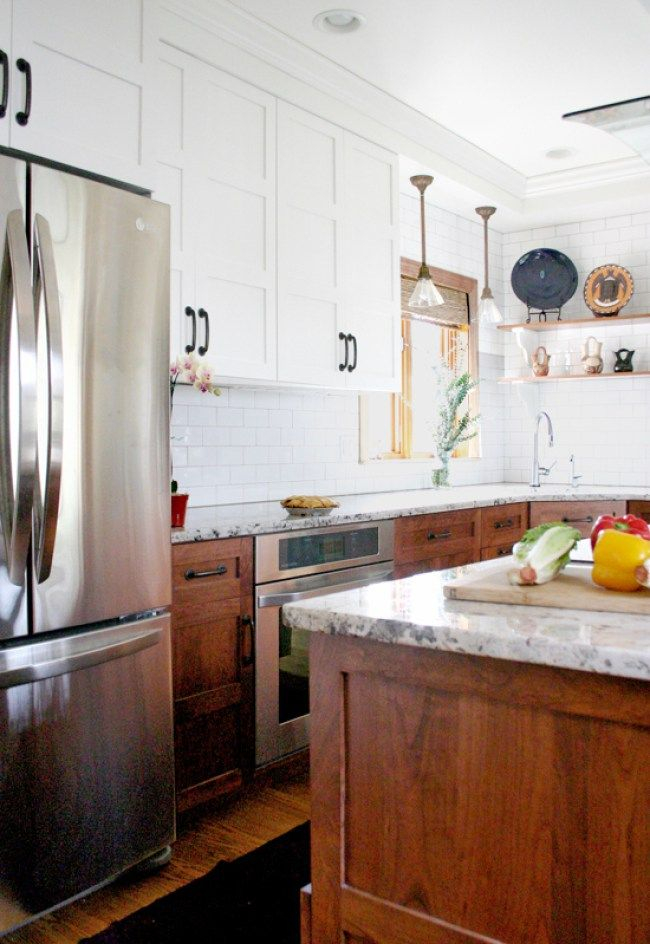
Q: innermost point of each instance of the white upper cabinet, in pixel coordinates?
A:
(214, 144)
(5, 70)
(77, 84)
(371, 264)
(231, 135)
(338, 257)
(310, 283)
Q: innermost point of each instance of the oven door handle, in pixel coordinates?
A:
(279, 599)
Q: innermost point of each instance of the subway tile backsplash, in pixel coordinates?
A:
(257, 445)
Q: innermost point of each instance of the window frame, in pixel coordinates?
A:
(402, 452)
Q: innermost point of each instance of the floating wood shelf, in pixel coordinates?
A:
(551, 378)
(593, 323)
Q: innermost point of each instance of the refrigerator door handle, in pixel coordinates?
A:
(46, 504)
(17, 496)
(74, 661)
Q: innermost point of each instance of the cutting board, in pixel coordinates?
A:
(571, 590)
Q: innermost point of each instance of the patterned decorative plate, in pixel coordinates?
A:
(608, 289)
(544, 279)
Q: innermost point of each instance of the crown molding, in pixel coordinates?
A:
(590, 175)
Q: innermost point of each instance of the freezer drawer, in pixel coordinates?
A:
(86, 762)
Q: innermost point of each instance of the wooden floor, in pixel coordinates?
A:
(261, 812)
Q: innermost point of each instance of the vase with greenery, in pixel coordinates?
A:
(190, 370)
(455, 426)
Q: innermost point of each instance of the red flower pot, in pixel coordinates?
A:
(179, 507)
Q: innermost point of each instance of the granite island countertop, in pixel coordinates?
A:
(415, 612)
(225, 521)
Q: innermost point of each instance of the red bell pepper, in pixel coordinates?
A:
(629, 524)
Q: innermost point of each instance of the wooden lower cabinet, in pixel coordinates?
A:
(581, 514)
(435, 542)
(213, 651)
(639, 508)
(496, 802)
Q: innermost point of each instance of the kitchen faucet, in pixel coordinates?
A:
(574, 476)
(537, 468)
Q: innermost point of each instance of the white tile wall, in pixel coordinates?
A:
(256, 445)
(605, 423)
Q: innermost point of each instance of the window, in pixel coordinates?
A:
(434, 348)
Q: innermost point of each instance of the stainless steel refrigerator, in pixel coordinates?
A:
(86, 750)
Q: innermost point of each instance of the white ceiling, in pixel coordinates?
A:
(498, 74)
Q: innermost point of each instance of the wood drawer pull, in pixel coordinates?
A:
(441, 535)
(217, 572)
(588, 520)
(508, 523)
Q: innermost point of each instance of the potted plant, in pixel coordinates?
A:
(188, 369)
(453, 428)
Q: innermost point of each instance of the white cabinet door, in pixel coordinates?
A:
(85, 61)
(371, 265)
(167, 127)
(5, 70)
(310, 212)
(231, 192)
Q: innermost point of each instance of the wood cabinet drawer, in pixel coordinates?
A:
(492, 553)
(503, 524)
(410, 568)
(639, 508)
(440, 536)
(205, 573)
(581, 514)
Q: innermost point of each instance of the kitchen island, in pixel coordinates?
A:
(479, 772)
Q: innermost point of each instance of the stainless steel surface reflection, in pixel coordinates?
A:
(94, 728)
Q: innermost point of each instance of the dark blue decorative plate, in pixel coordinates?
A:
(544, 279)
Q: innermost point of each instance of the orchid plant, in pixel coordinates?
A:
(190, 369)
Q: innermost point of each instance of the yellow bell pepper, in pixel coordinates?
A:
(617, 555)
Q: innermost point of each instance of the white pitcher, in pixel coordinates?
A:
(591, 356)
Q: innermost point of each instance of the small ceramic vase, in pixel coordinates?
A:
(541, 362)
(623, 363)
(592, 361)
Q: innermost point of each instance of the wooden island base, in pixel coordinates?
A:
(460, 799)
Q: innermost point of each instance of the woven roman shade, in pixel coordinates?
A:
(455, 310)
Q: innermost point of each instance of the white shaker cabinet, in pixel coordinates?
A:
(5, 70)
(214, 141)
(310, 224)
(371, 265)
(77, 84)
(338, 257)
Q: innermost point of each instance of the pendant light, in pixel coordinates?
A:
(488, 313)
(425, 294)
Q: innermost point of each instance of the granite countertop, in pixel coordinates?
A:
(415, 612)
(225, 521)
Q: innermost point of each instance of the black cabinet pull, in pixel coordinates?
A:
(197, 574)
(439, 536)
(508, 523)
(353, 339)
(204, 347)
(191, 314)
(22, 117)
(504, 551)
(4, 62)
(588, 520)
(346, 338)
(247, 628)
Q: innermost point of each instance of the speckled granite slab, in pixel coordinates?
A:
(226, 521)
(414, 612)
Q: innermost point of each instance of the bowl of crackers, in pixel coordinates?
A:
(308, 506)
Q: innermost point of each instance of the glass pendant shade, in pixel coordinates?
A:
(488, 313)
(425, 294)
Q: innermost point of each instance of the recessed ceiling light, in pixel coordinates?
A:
(560, 153)
(339, 21)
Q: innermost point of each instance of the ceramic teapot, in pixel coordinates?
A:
(541, 360)
(623, 363)
(592, 360)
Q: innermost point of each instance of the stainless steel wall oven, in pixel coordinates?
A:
(296, 565)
